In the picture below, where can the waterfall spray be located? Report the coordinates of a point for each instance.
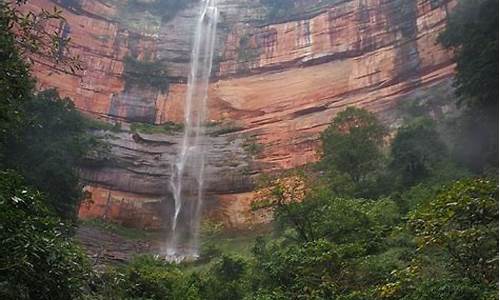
(188, 170)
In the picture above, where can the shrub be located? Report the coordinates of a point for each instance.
(462, 221)
(38, 260)
(55, 139)
(416, 150)
(166, 128)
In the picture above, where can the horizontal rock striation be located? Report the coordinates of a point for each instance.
(130, 182)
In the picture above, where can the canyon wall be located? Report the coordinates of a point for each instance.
(277, 83)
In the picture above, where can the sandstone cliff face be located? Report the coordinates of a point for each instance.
(277, 85)
(131, 182)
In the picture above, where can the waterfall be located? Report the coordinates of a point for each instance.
(188, 170)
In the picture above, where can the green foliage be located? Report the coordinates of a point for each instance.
(55, 140)
(225, 279)
(445, 289)
(299, 270)
(144, 277)
(416, 150)
(463, 221)
(417, 194)
(41, 136)
(38, 260)
(15, 84)
(217, 240)
(144, 73)
(343, 220)
(472, 32)
(147, 277)
(96, 124)
(360, 249)
(352, 150)
(331, 247)
(150, 278)
(352, 143)
(166, 128)
(32, 38)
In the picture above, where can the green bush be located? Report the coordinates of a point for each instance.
(144, 277)
(416, 150)
(38, 260)
(462, 220)
(49, 148)
(16, 85)
(445, 289)
(472, 32)
(166, 128)
(352, 154)
(225, 279)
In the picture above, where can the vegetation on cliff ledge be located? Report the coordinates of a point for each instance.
(166, 128)
(145, 73)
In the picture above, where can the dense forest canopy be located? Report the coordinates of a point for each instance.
(410, 214)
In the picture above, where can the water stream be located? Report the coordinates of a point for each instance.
(189, 167)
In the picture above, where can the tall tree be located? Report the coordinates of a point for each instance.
(352, 144)
(472, 33)
(49, 148)
(16, 84)
(416, 150)
(42, 136)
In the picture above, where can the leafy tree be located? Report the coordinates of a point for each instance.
(352, 146)
(38, 260)
(445, 289)
(41, 136)
(35, 35)
(226, 279)
(49, 148)
(146, 277)
(462, 221)
(150, 278)
(285, 195)
(298, 270)
(472, 32)
(15, 83)
(332, 247)
(416, 150)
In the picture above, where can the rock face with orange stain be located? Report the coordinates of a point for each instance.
(276, 86)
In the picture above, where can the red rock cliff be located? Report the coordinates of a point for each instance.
(277, 84)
